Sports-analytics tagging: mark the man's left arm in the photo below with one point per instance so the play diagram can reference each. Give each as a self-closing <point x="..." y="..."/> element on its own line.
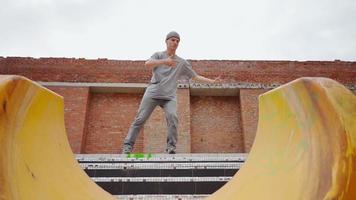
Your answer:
<point x="191" y="74"/>
<point x="202" y="79"/>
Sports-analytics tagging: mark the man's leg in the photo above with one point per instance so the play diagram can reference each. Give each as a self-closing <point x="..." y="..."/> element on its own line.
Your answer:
<point x="170" y="110"/>
<point x="146" y="107"/>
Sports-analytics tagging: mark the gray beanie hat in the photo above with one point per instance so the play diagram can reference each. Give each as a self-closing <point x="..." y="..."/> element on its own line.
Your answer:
<point x="172" y="34"/>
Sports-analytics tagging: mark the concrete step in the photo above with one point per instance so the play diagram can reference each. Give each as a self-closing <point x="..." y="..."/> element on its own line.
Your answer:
<point x="161" y="185"/>
<point x="161" y="174"/>
<point x="161" y="169"/>
<point x="160" y="179"/>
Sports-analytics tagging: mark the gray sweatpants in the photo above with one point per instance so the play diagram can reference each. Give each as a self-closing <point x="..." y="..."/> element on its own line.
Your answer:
<point x="147" y="106"/>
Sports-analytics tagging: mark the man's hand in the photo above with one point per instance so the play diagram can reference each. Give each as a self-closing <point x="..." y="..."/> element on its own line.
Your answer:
<point x="218" y="80"/>
<point x="171" y="62"/>
<point x="152" y="63"/>
<point x="203" y="79"/>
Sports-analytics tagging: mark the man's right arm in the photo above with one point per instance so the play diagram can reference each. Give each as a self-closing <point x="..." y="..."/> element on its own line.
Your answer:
<point x="152" y="63"/>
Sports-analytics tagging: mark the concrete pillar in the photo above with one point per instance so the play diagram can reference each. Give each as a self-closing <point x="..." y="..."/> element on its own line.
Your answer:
<point x="75" y="111"/>
<point x="249" y="115"/>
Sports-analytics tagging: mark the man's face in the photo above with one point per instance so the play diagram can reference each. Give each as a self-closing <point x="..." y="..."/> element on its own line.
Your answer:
<point x="172" y="43"/>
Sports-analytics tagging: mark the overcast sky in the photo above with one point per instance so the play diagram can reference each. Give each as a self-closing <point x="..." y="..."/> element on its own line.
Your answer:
<point x="219" y="29"/>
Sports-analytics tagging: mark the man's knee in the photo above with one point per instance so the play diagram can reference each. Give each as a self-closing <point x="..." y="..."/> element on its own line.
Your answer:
<point x="140" y="119"/>
<point x="172" y="118"/>
<point x="138" y="123"/>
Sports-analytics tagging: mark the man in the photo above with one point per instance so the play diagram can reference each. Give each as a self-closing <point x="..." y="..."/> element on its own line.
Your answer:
<point x="167" y="69"/>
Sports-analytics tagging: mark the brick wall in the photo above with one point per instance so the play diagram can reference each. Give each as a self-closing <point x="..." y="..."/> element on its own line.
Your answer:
<point x="184" y="136"/>
<point x="249" y="114"/>
<point x="75" y="103"/>
<point x="76" y="70"/>
<point x="104" y="70"/>
<point x="109" y="118"/>
<point x="216" y="125"/>
<point x="276" y="71"/>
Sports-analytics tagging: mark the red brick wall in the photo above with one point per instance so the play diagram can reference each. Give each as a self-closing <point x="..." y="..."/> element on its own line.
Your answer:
<point x="276" y="71"/>
<point x="216" y="125"/>
<point x="249" y="114"/>
<point x="109" y="118"/>
<point x="103" y="70"/>
<point x="75" y="103"/>
<point x="76" y="70"/>
<point x="184" y="135"/>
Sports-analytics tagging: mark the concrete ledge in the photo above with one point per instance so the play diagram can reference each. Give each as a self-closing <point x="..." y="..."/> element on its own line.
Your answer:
<point x="196" y="89"/>
<point x="163" y="158"/>
<point x="127" y="166"/>
<point x="102" y="87"/>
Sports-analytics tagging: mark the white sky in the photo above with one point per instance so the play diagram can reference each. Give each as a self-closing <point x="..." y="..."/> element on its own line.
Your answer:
<point x="218" y="30"/>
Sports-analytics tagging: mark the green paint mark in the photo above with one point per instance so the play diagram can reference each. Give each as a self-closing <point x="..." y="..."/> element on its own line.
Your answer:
<point x="139" y="155"/>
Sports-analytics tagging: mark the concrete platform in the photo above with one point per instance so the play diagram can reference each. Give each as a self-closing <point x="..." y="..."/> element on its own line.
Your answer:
<point x="161" y="174"/>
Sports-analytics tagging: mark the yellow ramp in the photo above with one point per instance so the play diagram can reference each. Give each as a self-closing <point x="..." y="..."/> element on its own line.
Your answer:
<point x="36" y="162"/>
<point x="304" y="148"/>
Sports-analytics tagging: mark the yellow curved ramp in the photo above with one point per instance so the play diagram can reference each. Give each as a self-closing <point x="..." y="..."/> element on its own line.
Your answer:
<point x="36" y="162"/>
<point x="305" y="146"/>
